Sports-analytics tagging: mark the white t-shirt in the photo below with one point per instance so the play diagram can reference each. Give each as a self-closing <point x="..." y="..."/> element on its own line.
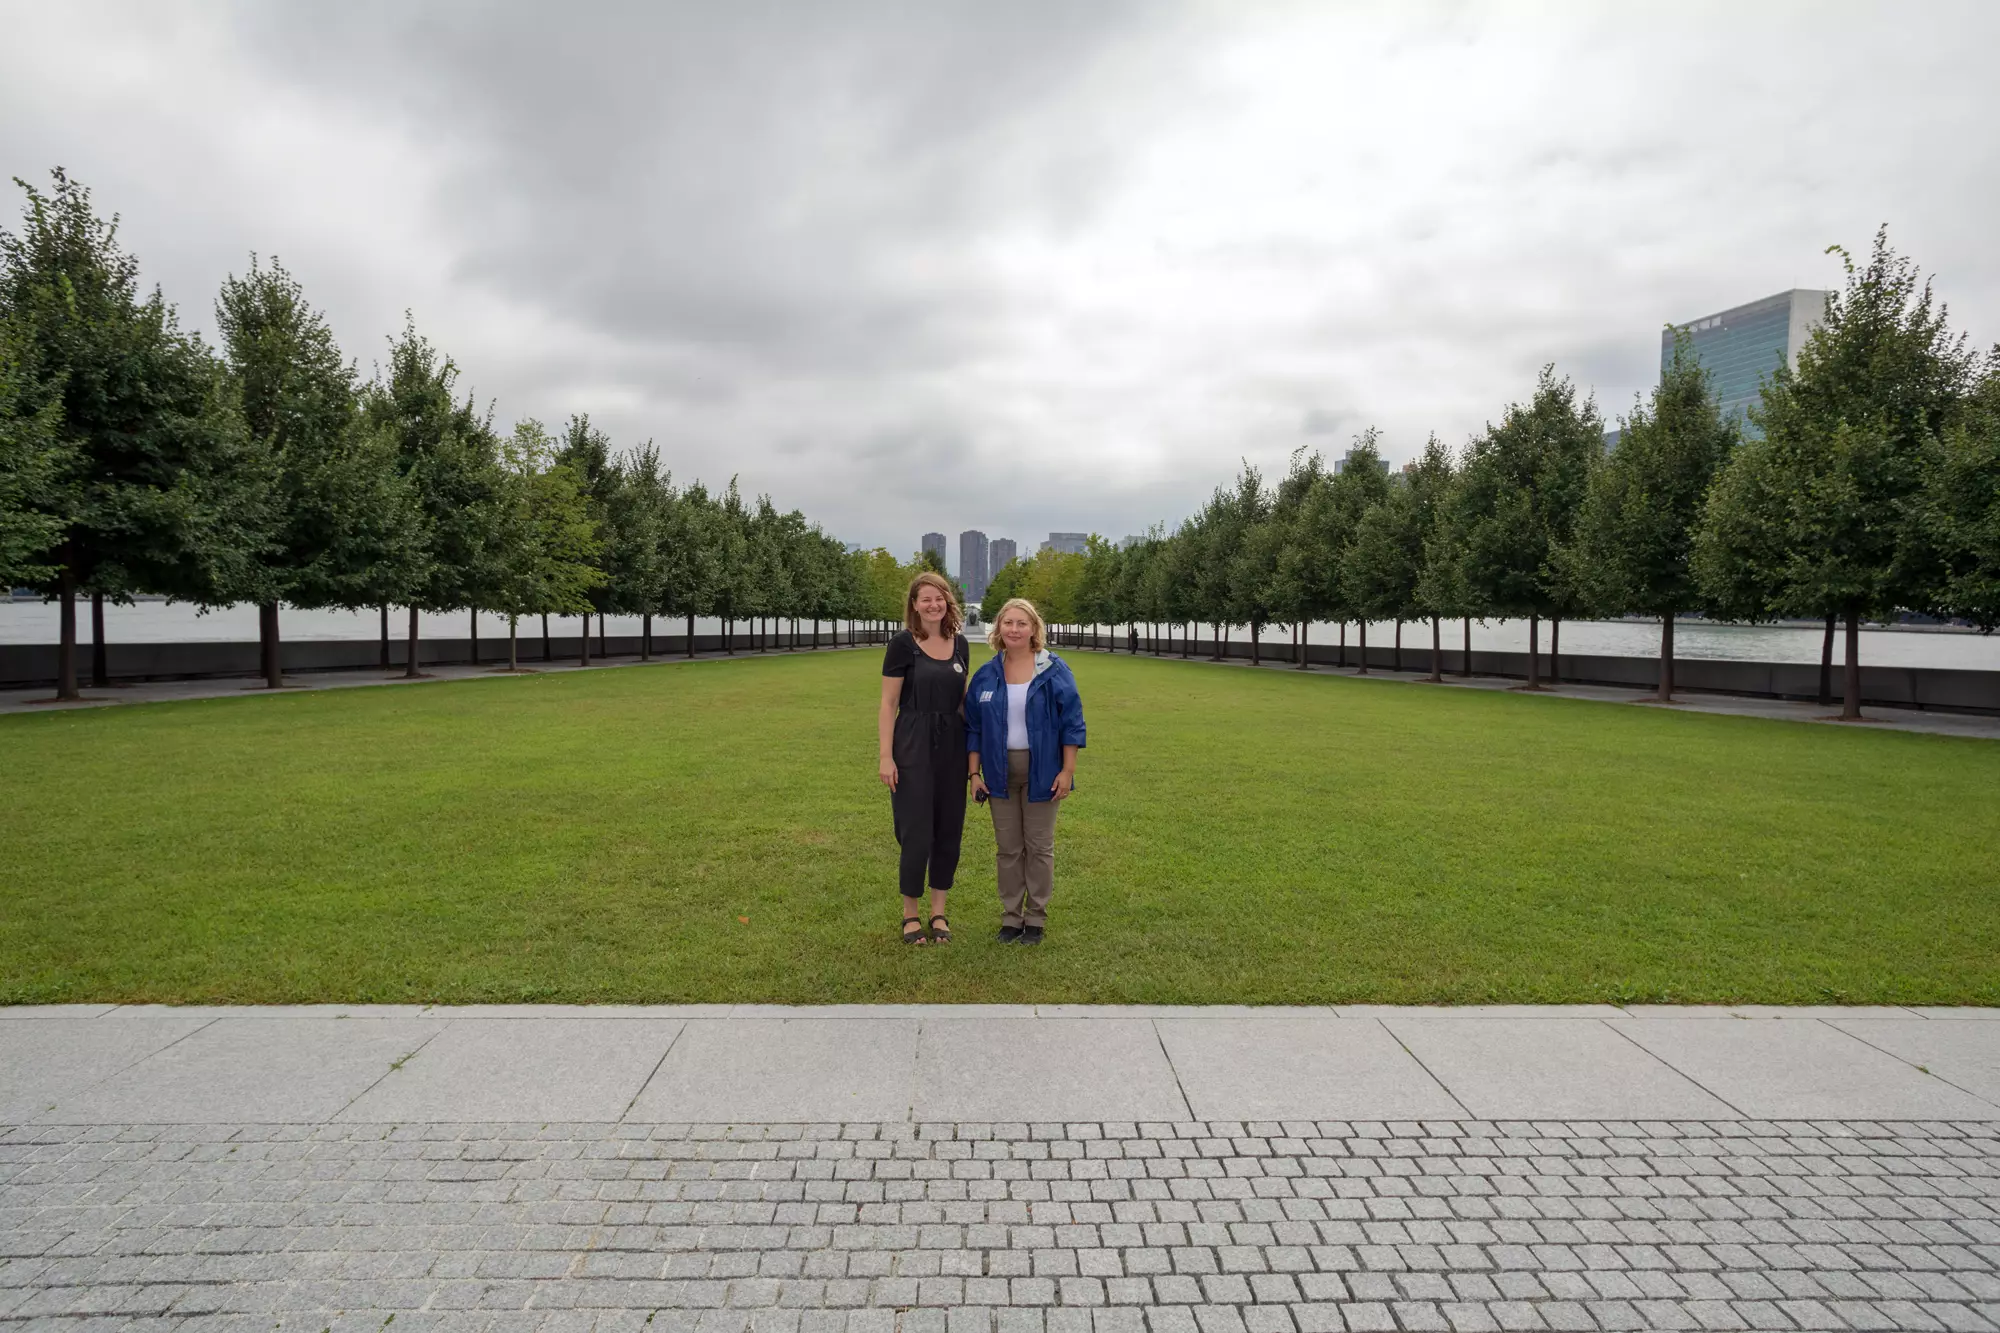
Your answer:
<point x="1017" y="717"/>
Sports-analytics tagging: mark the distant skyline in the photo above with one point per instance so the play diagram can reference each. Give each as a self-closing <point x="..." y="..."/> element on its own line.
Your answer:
<point x="1063" y="266"/>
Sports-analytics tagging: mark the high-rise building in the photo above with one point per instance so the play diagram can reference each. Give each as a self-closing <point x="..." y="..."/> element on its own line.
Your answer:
<point x="973" y="574"/>
<point x="934" y="541"/>
<point x="1741" y="347"/>
<point x="999" y="555"/>
<point x="1067" y="543"/>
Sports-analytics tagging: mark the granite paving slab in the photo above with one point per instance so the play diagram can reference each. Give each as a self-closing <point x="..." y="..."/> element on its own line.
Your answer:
<point x="1275" y="1069"/>
<point x="1552" y="1069"/>
<point x="288" y="1070"/>
<point x="1801" y="1069"/>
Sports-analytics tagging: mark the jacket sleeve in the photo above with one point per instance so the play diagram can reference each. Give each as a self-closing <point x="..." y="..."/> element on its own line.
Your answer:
<point x="973" y="714"/>
<point x="1069" y="710"/>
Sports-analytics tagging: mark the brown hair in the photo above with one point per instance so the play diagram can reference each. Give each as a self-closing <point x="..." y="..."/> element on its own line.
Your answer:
<point x="1037" y="634"/>
<point x="953" y="617"/>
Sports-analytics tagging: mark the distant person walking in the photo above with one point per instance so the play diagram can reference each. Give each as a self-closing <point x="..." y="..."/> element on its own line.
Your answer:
<point x="1023" y="727"/>
<point x="920" y="729"/>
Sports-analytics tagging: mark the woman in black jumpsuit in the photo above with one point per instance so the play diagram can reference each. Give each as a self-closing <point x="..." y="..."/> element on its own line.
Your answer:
<point x="921" y="733"/>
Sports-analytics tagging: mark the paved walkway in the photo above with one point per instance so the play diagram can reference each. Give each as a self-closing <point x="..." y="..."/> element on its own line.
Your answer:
<point x="1045" y="1169"/>
<point x="40" y="699"/>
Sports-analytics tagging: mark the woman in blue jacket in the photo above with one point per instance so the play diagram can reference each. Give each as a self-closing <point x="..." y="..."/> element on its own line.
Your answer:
<point x="1023" y="727"/>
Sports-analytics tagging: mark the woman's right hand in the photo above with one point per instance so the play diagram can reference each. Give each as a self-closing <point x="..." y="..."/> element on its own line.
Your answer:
<point x="887" y="772"/>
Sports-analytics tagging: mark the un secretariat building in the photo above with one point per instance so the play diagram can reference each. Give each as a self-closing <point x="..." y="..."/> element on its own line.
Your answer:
<point x="1740" y="348"/>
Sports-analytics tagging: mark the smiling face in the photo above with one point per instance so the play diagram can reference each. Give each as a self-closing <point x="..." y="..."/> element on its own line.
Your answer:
<point x="1017" y="631"/>
<point x="931" y="606"/>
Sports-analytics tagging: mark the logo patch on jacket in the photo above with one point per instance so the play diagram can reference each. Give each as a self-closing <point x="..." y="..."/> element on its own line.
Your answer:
<point x="986" y="696"/>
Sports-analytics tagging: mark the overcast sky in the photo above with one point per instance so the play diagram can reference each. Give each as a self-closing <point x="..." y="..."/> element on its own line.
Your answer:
<point x="1017" y="266"/>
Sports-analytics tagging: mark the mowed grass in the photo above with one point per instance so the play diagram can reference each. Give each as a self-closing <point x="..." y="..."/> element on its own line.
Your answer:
<point x="714" y="831"/>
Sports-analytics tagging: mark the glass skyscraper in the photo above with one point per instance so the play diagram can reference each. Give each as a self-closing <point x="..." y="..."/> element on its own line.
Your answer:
<point x="1741" y="348"/>
<point x="973" y="575"/>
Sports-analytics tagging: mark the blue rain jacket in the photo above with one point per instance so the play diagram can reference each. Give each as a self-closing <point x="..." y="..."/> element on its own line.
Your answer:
<point x="1055" y="719"/>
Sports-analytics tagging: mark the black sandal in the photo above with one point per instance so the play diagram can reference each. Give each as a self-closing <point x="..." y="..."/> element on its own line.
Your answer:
<point x="913" y="930"/>
<point x="941" y="936"/>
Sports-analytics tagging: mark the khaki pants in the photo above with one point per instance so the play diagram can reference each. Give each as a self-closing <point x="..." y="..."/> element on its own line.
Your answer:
<point x="1024" y="834"/>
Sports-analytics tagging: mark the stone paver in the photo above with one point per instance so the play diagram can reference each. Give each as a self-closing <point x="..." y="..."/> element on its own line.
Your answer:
<point x="509" y="1167"/>
<point x="1091" y="1227"/>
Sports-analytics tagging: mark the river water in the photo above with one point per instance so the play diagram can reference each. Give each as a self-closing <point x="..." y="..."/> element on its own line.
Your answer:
<point x="171" y="622"/>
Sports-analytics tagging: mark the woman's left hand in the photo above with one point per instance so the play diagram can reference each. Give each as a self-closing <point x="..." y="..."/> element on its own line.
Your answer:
<point x="1064" y="782"/>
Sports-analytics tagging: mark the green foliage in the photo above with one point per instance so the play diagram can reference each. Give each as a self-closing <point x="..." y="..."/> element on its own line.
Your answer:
<point x="1961" y="508"/>
<point x="159" y="487"/>
<point x="1634" y="547"/>
<point x="1518" y="495"/>
<point x="544" y="545"/>
<point x="343" y="526"/>
<point x="1827" y="514"/>
<point x="33" y="458"/>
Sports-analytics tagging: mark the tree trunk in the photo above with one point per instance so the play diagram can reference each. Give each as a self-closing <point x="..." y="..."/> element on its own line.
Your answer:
<point x="1396" y="661"/>
<point x="1850" y="707"/>
<point x="100" y="667"/>
<point x="1555" y="646"/>
<point x="545" y="636"/>
<point x="728" y="624"/>
<point x="513" y="643"/>
<point x="385" y="636"/>
<point x="1534" y="652"/>
<point x="583" y="657"/>
<point x="410" y="667"/>
<point x="646" y="637"/>
<point x="1465" y="667"/>
<point x="473" y="612"/>
<point x="1255" y="639"/>
<point x="1363" y="622"/>
<point x="1437" y="653"/>
<point x="601" y="652"/>
<point x="690" y="634"/>
<point x="1826" y="666"/>
<point x="66" y="638"/>
<point x="1343" y="645"/>
<point x="267" y="632"/>
<point x="1667" y="658"/>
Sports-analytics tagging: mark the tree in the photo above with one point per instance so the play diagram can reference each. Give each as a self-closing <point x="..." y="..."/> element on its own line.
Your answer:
<point x="1826" y="516"/>
<point x="340" y="522"/>
<point x="1225" y="591"/>
<point x="1328" y="520"/>
<point x="542" y="547"/>
<point x="1380" y="567"/>
<point x="1961" y="507"/>
<point x="1438" y="593"/>
<point x="1523" y="483"/>
<point x="446" y="455"/>
<point x="1634" y="547"/>
<point x="33" y="460"/>
<point x="587" y="452"/>
<point x="640" y="520"/>
<point x="155" y="487"/>
<point x="1291" y="592"/>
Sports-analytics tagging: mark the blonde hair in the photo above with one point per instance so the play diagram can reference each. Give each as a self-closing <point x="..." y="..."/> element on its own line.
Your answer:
<point x="953" y="617"/>
<point x="1038" y="633"/>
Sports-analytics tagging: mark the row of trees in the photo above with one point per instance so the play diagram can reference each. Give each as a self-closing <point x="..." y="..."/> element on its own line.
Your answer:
<point x="136" y="459"/>
<point x="1869" y="487"/>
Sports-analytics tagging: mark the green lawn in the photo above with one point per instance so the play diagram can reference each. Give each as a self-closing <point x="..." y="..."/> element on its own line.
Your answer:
<point x="714" y="831"/>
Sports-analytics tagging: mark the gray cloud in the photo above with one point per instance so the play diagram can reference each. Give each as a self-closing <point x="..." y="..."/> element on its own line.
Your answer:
<point x="1021" y="267"/>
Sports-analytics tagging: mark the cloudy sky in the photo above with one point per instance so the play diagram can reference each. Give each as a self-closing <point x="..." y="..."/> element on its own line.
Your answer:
<point x="1020" y="266"/>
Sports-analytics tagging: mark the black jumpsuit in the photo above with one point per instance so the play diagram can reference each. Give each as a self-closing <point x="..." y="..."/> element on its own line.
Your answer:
<point x="929" y="749"/>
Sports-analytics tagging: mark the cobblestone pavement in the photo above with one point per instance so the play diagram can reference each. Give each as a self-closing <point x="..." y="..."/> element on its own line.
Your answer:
<point x="1004" y="1228"/>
